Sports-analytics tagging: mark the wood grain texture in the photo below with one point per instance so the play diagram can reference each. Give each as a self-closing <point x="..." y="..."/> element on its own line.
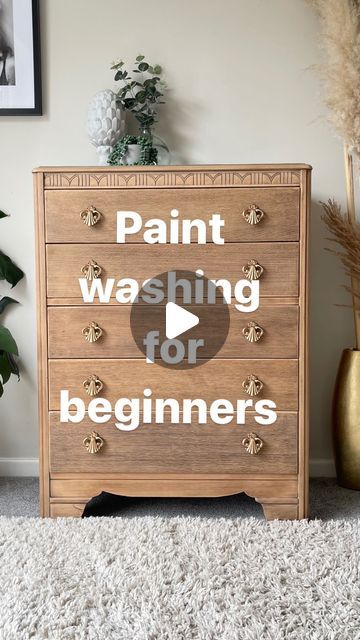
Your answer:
<point x="66" y="509"/>
<point x="264" y="301"/>
<point x="284" y="283"/>
<point x="171" y="176"/>
<point x="167" y="448"/>
<point x="141" y="262"/>
<point x="280" y="206"/>
<point x="65" y="325"/>
<point x="81" y="489"/>
<point x="303" y="478"/>
<point x="280" y="509"/>
<point x="42" y="354"/>
<point x="215" y="379"/>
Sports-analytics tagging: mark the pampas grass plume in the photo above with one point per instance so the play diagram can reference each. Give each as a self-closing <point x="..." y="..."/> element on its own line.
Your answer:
<point x="340" y="37"/>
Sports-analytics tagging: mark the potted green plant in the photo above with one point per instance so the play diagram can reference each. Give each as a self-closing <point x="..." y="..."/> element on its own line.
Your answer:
<point x="8" y="348"/>
<point x="140" y="94"/>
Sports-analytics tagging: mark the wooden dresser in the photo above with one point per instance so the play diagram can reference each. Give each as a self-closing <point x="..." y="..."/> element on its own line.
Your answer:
<point x="265" y="209"/>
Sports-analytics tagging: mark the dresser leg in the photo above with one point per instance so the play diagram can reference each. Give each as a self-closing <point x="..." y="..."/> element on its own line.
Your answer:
<point x="278" y="509"/>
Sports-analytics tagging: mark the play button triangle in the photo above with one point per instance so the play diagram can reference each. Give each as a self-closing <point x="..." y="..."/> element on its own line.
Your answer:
<point x="178" y="320"/>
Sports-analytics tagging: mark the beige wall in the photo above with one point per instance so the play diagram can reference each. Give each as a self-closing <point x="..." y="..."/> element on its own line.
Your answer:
<point x="241" y="91"/>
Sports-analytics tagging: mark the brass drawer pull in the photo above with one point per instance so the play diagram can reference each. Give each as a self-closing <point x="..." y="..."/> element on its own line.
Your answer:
<point x="253" y="215"/>
<point x="252" y="385"/>
<point x="93" y="443"/>
<point x="92" y="385"/>
<point x="252" y="332"/>
<point x="91" y="270"/>
<point x="253" y="444"/>
<point x="253" y="270"/>
<point x="92" y="332"/>
<point x="90" y="216"/>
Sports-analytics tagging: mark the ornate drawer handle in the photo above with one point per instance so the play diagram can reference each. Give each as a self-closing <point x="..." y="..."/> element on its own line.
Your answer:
<point x="253" y="215"/>
<point x="90" y="216"/>
<point x="252" y="332"/>
<point x="92" y="385"/>
<point x="93" y="443"/>
<point x="92" y="332"/>
<point x="91" y="270"/>
<point x="253" y="270"/>
<point x="252" y="385"/>
<point x="253" y="444"/>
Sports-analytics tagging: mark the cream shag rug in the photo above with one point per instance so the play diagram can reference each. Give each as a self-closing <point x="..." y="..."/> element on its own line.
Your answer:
<point x="179" y="579"/>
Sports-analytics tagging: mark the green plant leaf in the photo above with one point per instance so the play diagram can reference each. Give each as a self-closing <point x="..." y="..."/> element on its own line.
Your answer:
<point x="139" y="58"/>
<point x="157" y="69"/>
<point x="7" y="342"/>
<point x="1" y="389"/>
<point x="13" y="364"/>
<point x="9" y="271"/>
<point x="117" y="65"/>
<point x="143" y="66"/>
<point x="129" y="103"/>
<point x="5" y="301"/>
<point x="118" y="75"/>
<point x="5" y="369"/>
<point x="3" y="215"/>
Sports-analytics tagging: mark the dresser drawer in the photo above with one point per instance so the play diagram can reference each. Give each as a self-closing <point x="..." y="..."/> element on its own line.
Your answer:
<point x="66" y="339"/>
<point x="167" y="448"/>
<point x="280" y="206"/>
<point x="214" y="379"/>
<point x="280" y="262"/>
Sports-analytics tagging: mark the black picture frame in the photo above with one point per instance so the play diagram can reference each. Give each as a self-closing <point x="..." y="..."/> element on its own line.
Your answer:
<point x="37" y="109"/>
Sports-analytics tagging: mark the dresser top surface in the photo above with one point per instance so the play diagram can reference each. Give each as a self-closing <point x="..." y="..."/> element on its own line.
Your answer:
<point x="157" y="168"/>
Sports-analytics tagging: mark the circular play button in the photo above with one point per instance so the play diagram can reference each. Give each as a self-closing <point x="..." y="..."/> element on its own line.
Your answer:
<point x="180" y="319"/>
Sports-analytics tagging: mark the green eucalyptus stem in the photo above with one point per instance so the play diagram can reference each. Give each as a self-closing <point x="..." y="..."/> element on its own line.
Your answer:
<point x="141" y="93"/>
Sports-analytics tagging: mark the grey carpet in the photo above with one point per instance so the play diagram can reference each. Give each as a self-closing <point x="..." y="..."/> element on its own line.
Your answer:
<point x="19" y="497"/>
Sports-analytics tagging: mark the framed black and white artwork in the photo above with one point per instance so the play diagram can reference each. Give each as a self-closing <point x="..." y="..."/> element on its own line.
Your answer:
<point x="20" y="66"/>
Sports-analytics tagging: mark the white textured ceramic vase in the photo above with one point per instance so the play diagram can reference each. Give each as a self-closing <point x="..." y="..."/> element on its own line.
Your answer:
<point x="105" y="123"/>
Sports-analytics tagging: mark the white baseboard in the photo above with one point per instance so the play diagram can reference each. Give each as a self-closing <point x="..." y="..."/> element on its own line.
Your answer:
<point x="19" y="467"/>
<point x="22" y="467"/>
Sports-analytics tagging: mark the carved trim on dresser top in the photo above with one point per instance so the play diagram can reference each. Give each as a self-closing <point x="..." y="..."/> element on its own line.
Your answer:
<point x="115" y="177"/>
